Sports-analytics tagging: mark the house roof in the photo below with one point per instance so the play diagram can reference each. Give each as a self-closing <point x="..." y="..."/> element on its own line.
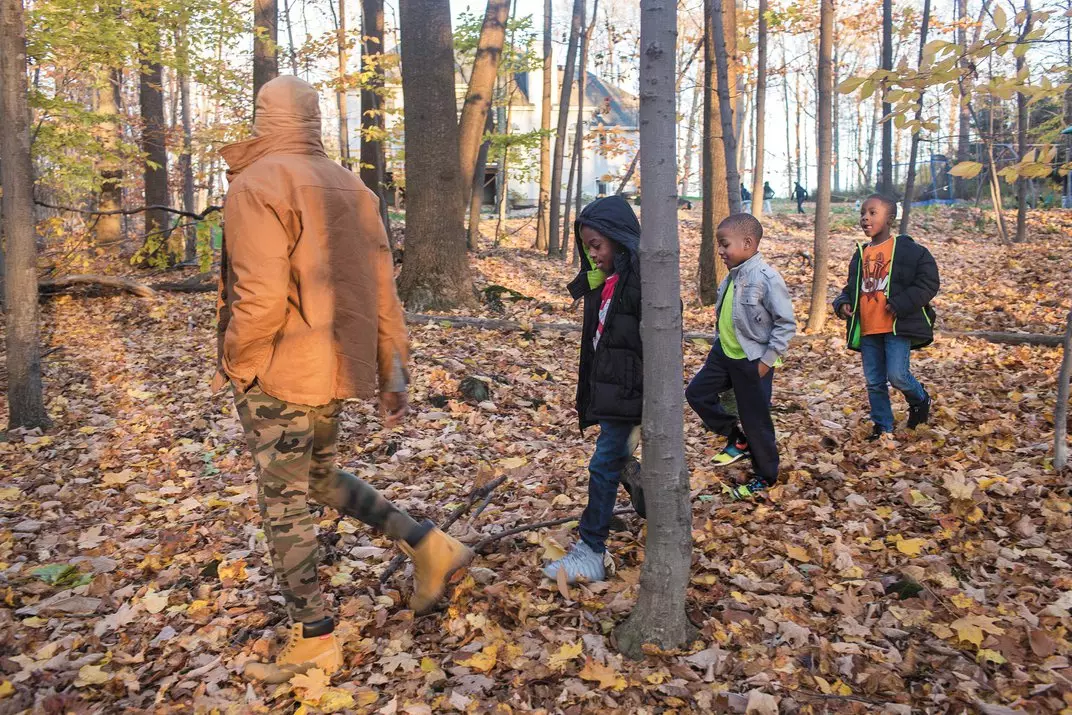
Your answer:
<point x="609" y="105"/>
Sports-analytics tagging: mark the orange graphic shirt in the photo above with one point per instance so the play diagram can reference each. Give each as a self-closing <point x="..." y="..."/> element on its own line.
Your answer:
<point x="874" y="320"/>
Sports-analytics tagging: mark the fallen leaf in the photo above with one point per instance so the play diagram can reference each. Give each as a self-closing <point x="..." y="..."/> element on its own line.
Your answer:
<point x="972" y="628"/>
<point x="482" y="661"/>
<point x="607" y="677"/>
<point x="797" y="553"/>
<point x="91" y="675"/>
<point x="565" y="653"/>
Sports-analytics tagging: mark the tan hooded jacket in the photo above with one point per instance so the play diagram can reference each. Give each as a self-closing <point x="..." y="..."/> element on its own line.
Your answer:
<point x="307" y="304"/>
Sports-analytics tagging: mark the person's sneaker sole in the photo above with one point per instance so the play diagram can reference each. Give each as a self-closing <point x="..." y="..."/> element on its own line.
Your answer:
<point x="723" y="459"/>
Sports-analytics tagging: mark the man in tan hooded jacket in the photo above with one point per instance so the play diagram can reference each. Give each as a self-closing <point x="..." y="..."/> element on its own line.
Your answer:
<point x="309" y="317"/>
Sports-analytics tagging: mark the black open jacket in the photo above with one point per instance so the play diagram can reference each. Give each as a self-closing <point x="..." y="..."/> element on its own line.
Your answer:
<point x="610" y="377"/>
<point x="912" y="286"/>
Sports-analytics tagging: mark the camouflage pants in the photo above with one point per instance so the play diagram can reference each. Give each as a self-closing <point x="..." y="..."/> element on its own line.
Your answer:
<point x="294" y="449"/>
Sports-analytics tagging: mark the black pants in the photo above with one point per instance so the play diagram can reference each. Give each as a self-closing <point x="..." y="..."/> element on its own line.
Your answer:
<point x="753" y="393"/>
<point x="800" y="206"/>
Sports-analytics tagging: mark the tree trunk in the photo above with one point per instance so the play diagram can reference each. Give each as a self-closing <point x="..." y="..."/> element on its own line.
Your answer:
<point x="715" y="205"/>
<point x="1060" y="414"/>
<point x="910" y="180"/>
<point x="659" y="615"/>
<point x="373" y="132"/>
<point x="561" y="138"/>
<point x="690" y="137"/>
<point x="578" y="137"/>
<point x="798" y="105"/>
<point x="543" y="214"/>
<point x="504" y="165"/>
<point x="836" y="150"/>
<point x="886" y="179"/>
<point x="435" y="272"/>
<point x="872" y="135"/>
<point x="25" y="395"/>
<point x="476" y="193"/>
<point x="760" y="111"/>
<point x="186" y="159"/>
<point x="725" y="108"/>
<point x="109" y="229"/>
<point x="153" y="137"/>
<point x="481" y="85"/>
<point x="788" y="144"/>
<point x="265" y="37"/>
<point x="566" y="225"/>
<point x="1022" y="119"/>
<point x="292" y="53"/>
<point x="963" y="146"/>
<point x="341" y="95"/>
<point x="821" y="257"/>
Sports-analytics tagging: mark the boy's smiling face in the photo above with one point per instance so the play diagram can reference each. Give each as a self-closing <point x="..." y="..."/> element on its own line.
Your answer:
<point x="600" y="248"/>
<point x="734" y="245"/>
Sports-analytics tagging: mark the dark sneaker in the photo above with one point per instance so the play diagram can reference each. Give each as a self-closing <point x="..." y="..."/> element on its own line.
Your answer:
<point x="920" y="414"/>
<point x="877" y="433"/>
<point x="752" y="489"/>
<point x="631" y="482"/>
<point x="736" y="448"/>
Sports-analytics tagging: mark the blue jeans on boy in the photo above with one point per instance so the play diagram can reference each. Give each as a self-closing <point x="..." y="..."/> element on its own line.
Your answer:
<point x="885" y="360"/>
<point x="614" y="446"/>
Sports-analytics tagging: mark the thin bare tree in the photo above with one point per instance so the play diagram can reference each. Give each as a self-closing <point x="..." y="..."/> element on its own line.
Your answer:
<point x="824" y="155"/>
<point x="761" y="110"/>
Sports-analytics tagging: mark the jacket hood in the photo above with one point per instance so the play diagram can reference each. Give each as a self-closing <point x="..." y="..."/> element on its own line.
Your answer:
<point x="286" y="120"/>
<point x="613" y="217"/>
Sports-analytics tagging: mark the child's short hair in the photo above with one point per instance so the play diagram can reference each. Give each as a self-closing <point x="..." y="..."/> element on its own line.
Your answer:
<point x="889" y="203"/>
<point x="747" y="224"/>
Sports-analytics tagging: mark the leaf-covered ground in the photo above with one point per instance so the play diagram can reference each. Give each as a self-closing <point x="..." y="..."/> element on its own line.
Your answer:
<point x="930" y="577"/>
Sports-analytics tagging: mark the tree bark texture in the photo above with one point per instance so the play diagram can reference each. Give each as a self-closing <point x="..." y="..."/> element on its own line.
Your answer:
<point x="1060" y="413"/>
<point x="913" y="153"/>
<point x="821" y="255"/>
<point x="659" y="614"/>
<point x="725" y="109"/>
<point x="761" y="109"/>
<point x="435" y="272"/>
<point x="25" y="395"/>
<point x="153" y="138"/>
<point x="476" y="193"/>
<point x="886" y="180"/>
<point x="543" y="213"/>
<point x="265" y="38"/>
<point x="481" y="86"/>
<point x="186" y="159"/>
<point x="341" y="97"/>
<point x="373" y="128"/>
<point x="561" y="135"/>
<point x="578" y="137"/>
<point x="109" y="229"/>
<point x="716" y="203"/>
<point x="964" y="129"/>
<point x="1022" y="119"/>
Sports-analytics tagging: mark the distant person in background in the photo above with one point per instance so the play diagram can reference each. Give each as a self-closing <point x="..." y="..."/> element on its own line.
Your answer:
<point x="801" y="195"/>
<point x="768" y="192"/>
<point x="746" y="195"/>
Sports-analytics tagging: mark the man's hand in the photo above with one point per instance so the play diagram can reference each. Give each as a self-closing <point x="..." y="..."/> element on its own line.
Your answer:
<point x="845" y="311"/>
<point x="763" y="369"/>
<point x="394" y="406"/>
<point x="890" y="310"/>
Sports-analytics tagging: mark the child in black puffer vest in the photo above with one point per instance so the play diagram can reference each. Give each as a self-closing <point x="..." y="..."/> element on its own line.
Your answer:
<point x="610" y="389"/>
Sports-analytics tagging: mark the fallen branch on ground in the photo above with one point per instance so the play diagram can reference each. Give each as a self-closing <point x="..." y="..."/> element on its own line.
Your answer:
<point x="480" y="545"/>
<point x="128" y="212"/>
<point x="483" y="492"/>
<point x="139" y="289"/>
<point x="497" y="324"/>
<point x="200" y="283"/>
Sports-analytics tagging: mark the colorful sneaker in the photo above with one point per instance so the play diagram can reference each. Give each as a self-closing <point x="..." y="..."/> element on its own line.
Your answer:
<point x="920" y="414"/>
<point x="752" y="489"/>
<point x="580" y="563"/>
<point x="736" y="448"/>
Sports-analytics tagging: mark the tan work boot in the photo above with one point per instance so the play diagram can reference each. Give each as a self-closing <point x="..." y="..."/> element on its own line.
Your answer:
<point x="299" y="655"/>
<point x="435" y="559"/>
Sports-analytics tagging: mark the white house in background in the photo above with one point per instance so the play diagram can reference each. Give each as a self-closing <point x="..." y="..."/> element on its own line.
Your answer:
<point x="611" y="125"/>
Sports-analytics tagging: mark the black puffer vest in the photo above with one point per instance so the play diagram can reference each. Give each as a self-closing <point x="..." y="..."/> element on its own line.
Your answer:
<point x="610" y="377"/>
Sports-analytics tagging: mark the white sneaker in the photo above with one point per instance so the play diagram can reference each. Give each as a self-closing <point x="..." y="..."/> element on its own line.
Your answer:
<point x="580" y="563"/>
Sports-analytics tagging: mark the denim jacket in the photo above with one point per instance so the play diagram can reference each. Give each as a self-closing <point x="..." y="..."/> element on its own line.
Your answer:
<point x="762" y="311"/>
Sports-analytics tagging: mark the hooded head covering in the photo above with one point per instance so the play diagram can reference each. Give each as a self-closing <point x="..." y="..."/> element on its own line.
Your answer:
<point x="613" y="217"/>
<point x="286" y="120"/>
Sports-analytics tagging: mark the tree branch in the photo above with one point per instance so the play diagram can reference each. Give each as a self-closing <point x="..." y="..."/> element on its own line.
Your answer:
<point x="480" y="545"/>
<point x="127" y="212"/>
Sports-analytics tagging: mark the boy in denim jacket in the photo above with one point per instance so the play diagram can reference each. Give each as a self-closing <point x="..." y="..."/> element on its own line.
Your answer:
<point x="755" y="323"/>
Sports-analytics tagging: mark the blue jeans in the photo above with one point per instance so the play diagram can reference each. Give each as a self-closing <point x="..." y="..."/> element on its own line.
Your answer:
<point x="614" y="446"/>
<point x="886" y="359"/>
